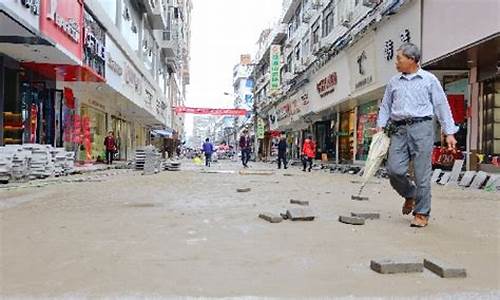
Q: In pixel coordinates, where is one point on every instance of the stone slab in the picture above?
(467, 178)
(443, 269)
(455, 171)
(478, 181)
(299, 202)
(445, 178)
(352, 220)
(242, 172)
(397, 265)
(435, 175)
(300, 214)
(270, 217)
(493, 183)
(370, 216)
(359, 198)
(243, 190)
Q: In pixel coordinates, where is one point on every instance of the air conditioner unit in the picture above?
(346, 19)
(316, 4)
(371, 3)
(315, 48)
(306, 17)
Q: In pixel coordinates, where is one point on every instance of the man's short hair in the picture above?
(411, 51)
(207, 140)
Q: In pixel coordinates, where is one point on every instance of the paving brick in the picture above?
(300, 214)
(467, 178)
(478, 181)
(299, 202)
(242, 172)
(445, 178)
(443, 269)
(493, 183)
(270, 217)
(371, 216)
(243, 190)
(352, 220)
(435, 175)
(359, 198)
(455, 172)
(397, 265)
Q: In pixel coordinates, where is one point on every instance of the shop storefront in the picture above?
(121, 128)
(96, 120)
(346, 136)
(367, 124)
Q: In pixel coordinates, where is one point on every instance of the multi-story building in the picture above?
(204, 127)
(338, 56)
(72, 70)
(243, 86)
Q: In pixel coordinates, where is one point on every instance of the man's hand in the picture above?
(379, 129)
(451, 141)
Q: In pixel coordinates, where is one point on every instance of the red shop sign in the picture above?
(62, 21)
(327, 85)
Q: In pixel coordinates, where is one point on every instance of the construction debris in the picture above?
(443, 269)
(400, 265)
(270, 217)
(370, 216)
(300, 214)
(299, 202)
(351, 220)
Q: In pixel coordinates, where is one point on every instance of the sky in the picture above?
(222, 30)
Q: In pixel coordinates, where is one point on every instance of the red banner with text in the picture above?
(211, 111)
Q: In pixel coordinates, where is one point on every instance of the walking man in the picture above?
(411, 100)
(245, 146)
(208, 149)
(282, 152)
(308, 153)
(110, 145)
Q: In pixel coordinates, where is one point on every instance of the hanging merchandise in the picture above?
(33, 123)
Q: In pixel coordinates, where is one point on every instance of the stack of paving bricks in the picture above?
(152, 160)
(21, 163)
(467, 179)
(140, 158)
(42, 165)
(5, 165)
(173, 166)
(34, 161)
(69, 163)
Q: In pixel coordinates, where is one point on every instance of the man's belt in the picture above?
(411, 121)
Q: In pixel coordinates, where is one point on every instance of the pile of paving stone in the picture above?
(34, 161)
(466, 179)
(172, 165)
(148, 159)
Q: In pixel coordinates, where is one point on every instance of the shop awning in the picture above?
(60, 72)
(163, 132)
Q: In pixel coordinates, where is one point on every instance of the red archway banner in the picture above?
(211, 111)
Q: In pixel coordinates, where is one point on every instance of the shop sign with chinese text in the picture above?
(275, 67)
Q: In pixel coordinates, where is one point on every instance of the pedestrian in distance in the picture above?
(308, 153)
(208, 149)
(412, 98)
(282, 151)
(110, 146)
(246, 148)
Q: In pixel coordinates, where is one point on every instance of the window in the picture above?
(130, 25)
(306, 46)
(315, 32)
(328, 16)
(289, 63)
(297, 52)
(298, 17)
(109, 7)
